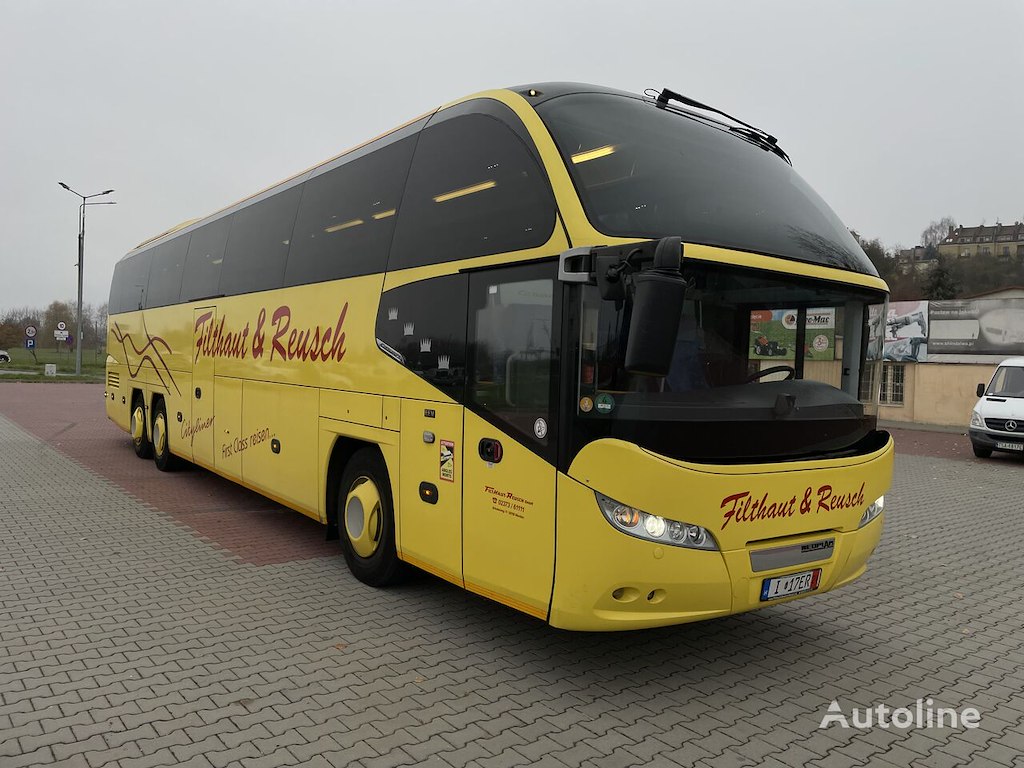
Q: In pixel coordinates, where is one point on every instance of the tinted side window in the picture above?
(258, 245)
(423, 327)
(128, 289)
(474, 189)
(347, 217)
(116, 287)
(205, 257)
(165, 274)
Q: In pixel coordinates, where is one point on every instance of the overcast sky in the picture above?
(897, 112)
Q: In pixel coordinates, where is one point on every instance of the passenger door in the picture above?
(509, 478)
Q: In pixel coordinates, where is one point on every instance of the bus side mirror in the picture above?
(657, 307)
(981, 390)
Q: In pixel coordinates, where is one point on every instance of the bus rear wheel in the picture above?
(366, 520)
(140, 440)
(163, 458)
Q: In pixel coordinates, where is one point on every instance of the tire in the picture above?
(137, 428)
(981, 453)
(366, 520)
(163, 458)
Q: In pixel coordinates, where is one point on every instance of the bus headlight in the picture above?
(663, 530)
(872, 512)
(976, 420)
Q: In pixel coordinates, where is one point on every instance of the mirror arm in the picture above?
(576, 265)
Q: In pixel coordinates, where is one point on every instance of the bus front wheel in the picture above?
(367, 521)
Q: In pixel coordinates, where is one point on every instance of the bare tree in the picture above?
(937, 231)
(13, 322)
(57, 312)
(101, 325)
(10, 334)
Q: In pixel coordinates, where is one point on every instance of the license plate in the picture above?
(793, 584)
(1011, 446)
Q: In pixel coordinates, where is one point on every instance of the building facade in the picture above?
(917, 258)
(1004, 241)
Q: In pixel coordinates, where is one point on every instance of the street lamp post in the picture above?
(81, 263)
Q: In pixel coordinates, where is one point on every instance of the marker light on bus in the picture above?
(872, 512)
(626, 517)
(663, 530)
(694, 535)
(655, 526)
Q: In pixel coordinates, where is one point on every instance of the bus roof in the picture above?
(276, 187)
(536, 93)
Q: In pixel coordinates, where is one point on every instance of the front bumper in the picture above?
(991, 440)
(606, 580)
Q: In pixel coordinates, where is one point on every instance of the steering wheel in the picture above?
(789, 369)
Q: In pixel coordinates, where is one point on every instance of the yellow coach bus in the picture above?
(604, 358)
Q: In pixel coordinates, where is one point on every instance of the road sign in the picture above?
(30, 331)
(62, 326)
(60, 335)
(30, 343)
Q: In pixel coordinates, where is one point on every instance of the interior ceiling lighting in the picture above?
(346, 225)
(593, 154)
(465, 191)
(384, 214)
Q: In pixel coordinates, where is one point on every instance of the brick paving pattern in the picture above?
(72, 418)
(177, 620)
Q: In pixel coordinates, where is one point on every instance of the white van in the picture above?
(997, 423)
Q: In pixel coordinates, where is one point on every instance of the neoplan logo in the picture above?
(816, 546)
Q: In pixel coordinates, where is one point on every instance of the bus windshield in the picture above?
(649, 172)
(757, 373)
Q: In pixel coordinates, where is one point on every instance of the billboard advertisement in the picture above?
(976, 327)
(773, 334)
(906, 332)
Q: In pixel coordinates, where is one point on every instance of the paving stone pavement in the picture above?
(129, 639)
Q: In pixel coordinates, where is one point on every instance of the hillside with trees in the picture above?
(944, 277)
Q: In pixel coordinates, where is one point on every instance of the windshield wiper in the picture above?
(754, 135)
